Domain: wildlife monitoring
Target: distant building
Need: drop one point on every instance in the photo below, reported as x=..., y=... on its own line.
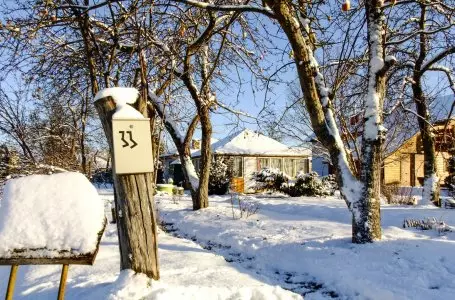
x=404, y=166
x=250, y=152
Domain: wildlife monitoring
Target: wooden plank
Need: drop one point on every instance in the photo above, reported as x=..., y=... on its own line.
x=11, y=282
x=47, y=261
x=61, y=288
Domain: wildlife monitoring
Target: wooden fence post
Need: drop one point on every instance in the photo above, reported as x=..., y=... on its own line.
x=11, y=282
x=62, y=286
x=134, y=205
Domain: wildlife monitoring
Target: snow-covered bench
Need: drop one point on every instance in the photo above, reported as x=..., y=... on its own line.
x=50, y=219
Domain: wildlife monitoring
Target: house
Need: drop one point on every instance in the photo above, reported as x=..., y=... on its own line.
x=402, y=161
x=251, y=151
x=404, y=165
x=170, y=167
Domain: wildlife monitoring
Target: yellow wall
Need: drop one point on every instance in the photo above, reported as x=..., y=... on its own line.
x=397, y=166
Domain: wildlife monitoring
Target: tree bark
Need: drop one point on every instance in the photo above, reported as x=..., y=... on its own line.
x=367, y=226
x=135, y=210
x=202, y=200
x=430, y=188
x=362, y=197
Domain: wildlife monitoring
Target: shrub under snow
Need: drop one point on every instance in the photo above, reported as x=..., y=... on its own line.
x=306, y=184
x=310, y=184
x=269, y=179
x=220, y=176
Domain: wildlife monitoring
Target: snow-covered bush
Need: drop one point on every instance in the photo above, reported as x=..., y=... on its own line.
x=269, y=179
x=329, y=184
x=400, y=196
x=404, y=200
x=389, y=190
x=427, y=224
x=310, y=184
x=220, y=176
x=242, y=207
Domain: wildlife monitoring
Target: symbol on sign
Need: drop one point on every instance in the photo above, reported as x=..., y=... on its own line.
x=126, y=144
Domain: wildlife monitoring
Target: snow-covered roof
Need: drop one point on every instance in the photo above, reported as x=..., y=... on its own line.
x=174, y=152
x=248, y=142
x=43, y=215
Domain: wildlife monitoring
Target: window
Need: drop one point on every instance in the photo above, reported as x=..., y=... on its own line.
x=292, y=166
x=303, y=165
x=276, y=163
x=263, y=163
x=238, y=167
x=289, y=167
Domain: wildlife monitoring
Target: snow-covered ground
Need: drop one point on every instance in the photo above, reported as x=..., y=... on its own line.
x=301, y=244
x=304, y=244
x=187, y=272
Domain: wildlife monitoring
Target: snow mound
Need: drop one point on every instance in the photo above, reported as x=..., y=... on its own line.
x=130, y=285
x=138, y=286
x=122, y=97
x=50, y=213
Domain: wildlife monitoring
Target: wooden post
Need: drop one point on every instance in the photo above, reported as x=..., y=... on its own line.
x=136, y=223
x=61, y=289
x=11, y=282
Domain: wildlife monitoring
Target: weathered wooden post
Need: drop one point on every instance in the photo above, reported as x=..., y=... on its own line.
x=136, y=216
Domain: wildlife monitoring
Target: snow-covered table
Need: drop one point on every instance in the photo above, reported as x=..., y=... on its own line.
x=50, y=219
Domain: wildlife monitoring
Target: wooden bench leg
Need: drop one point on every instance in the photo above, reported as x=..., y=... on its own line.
x=61, y=289
x=11, y=282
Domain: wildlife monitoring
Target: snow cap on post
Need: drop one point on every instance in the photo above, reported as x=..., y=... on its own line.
x=122, y=97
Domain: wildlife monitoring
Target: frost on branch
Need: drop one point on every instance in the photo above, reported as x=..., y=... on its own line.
x=351, y=186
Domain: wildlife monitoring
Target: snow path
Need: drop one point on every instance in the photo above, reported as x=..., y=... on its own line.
x=187, y=272
x=303, y=244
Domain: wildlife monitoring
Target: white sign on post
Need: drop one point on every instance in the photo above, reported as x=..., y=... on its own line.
x=132, y=146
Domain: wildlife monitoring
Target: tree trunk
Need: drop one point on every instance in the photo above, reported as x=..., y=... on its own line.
x=202, y=199
x=136, y=215
x=366, y=225
x=431, y=180
x=362, y=197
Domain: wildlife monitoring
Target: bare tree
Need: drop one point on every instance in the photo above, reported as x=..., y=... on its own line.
x=14, y=119
x=422, y=38
x=361, y=196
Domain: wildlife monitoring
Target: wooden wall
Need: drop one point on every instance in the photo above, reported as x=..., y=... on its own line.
x=405, y=166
